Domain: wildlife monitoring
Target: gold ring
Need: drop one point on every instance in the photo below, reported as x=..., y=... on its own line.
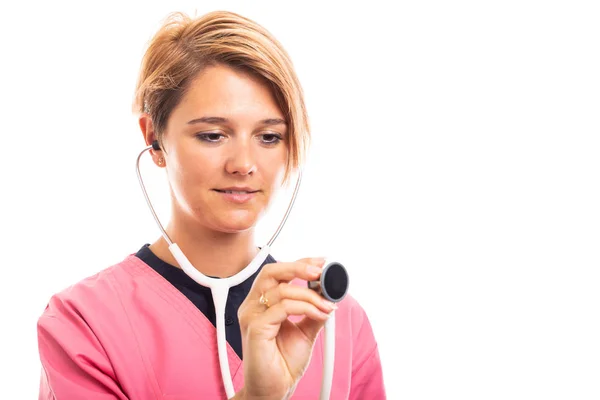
x=263, y=300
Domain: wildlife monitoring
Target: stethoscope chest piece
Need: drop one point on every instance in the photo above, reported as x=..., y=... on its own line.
x=333, y=283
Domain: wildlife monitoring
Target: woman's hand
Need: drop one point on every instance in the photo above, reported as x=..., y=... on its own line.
x=277, y=351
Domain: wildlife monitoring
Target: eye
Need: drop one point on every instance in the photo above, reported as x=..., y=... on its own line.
x=210, y=137
x=271, y=138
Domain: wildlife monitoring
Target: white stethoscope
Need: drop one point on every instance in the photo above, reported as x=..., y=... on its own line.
x=333, y=288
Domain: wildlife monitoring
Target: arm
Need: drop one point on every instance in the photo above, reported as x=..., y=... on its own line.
x=74, y=364
x=367, y=375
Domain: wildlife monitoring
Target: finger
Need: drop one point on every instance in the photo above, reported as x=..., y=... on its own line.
x=311, y=327
x=294, y=292
x=278, y=313
x=272, y=274
x=306, y=268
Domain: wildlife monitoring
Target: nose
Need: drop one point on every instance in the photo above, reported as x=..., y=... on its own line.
x=241, y=160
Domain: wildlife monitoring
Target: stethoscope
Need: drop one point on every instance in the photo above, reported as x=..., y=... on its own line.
x=333, y=285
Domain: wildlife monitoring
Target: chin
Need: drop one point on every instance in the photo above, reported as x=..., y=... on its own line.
x=236, y=222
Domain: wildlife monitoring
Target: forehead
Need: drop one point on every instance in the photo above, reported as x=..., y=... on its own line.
x=225, y=92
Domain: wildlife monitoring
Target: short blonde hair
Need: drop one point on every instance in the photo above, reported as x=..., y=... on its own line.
x=183, y=47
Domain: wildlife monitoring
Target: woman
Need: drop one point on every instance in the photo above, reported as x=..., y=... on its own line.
x=220, y=97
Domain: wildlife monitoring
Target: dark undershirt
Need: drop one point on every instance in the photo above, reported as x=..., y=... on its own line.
x=202, y=297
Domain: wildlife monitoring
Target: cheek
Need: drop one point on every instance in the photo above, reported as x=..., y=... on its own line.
x=192, y=172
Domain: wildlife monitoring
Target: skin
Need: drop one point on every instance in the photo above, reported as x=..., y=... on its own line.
x=242, y=144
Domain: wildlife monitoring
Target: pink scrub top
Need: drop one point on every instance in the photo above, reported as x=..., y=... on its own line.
x=128, y=333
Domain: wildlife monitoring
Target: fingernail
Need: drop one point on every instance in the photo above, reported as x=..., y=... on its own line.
x=312, y=270
x=330, y=305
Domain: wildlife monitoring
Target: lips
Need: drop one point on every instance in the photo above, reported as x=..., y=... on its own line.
x=237, y=191
x=238, y=196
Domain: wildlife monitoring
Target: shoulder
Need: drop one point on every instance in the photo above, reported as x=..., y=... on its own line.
x=81, y=330
x=93, y=294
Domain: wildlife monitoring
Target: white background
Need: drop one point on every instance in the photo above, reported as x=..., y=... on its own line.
x=455, y=170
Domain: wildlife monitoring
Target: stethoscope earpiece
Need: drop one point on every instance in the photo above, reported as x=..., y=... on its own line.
x=333, y=283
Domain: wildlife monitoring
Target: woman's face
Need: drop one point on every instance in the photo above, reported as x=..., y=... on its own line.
x=225, y=150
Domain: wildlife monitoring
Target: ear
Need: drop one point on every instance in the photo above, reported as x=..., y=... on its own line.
x=147, y=128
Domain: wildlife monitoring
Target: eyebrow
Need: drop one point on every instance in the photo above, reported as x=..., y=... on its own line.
x=221, y=120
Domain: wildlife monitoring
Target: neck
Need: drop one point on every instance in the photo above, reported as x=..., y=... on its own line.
x=213, y=253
